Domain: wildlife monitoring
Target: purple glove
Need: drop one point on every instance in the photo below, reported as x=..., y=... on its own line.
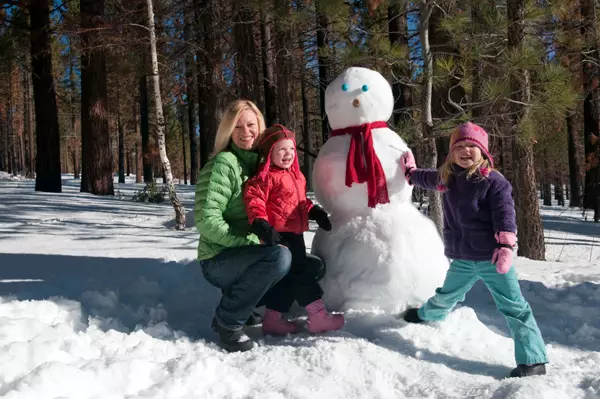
x=503, y=255
x=408, y=164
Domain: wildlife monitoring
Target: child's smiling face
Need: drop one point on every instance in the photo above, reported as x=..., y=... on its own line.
x=283, y=153
x=466, y=154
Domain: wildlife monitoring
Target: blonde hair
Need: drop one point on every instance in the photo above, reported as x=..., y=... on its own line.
x=481, y=168
x=230, y=117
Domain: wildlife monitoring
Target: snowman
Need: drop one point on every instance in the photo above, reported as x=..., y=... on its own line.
x=382, y=253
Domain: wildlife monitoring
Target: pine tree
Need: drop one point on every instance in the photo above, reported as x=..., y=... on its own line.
x=96, y=173
x=591, y=107
x=529, y=224
x=47, y=166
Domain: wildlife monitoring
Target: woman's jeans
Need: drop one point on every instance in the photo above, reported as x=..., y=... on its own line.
x=244, y=274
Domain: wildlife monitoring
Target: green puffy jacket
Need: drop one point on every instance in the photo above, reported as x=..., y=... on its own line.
x=219, y=212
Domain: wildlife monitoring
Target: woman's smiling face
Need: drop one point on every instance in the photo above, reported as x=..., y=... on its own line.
x=245, y=131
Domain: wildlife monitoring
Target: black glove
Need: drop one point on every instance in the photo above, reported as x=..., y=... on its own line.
x=266, y=232
x=317, y=214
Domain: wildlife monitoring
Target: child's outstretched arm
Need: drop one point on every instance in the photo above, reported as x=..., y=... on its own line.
x=504, y=222
x=425, y=178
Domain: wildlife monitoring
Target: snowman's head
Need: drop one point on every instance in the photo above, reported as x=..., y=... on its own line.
x=357, y=96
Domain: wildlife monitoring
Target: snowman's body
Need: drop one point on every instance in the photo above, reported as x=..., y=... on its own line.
x=386, y=257
x=329, y=174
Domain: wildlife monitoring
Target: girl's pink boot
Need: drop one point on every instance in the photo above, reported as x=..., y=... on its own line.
x=319, y=320
x=274, y=324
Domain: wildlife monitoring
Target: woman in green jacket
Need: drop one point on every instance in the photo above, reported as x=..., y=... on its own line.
x=229, y=253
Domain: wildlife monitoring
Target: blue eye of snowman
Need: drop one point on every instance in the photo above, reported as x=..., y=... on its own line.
x=344, y=87
x=365, y=88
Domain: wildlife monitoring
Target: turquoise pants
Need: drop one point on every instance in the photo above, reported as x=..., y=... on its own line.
x=529, y=344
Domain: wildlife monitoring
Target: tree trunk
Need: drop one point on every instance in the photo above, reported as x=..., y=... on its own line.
x=96, y=171
x=75, y=142
x=546, y=187
x=286, y=49
x=29, y=157
x=190, y=80
x=248, y=60
x=145, y=129
x=129, y=161
x=306, y=130
x=160, y=122
x=4, y=149
x=574, y=175
x=121, y=143
x=138, y=161
x=591, y=107
x=19, y=135
x=559, y=193
x=448, y=93
x=184, y=135
x=32, y=125
x=430, y=161
x=529, y=224
x=10, y=130
x=47, y=164
x=268, y=59
x=4, y=146
x=398, y=34
x=324, y=66
x=210, y=91
x=21, y=154
x=477, y=66
x=202, y=70
x=137, y=147
x=9, y=147
x=547, y=194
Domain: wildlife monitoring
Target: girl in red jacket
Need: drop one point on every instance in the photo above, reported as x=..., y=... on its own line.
x=279, y=211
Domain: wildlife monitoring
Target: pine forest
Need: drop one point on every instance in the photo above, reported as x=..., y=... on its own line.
x=137, y=87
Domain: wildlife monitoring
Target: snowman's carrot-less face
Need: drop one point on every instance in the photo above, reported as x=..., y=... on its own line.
x=358, y=96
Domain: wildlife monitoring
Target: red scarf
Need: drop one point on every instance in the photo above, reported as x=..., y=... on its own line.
x=363, y=164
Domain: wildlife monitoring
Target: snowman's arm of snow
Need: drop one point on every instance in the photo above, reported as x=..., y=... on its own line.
x=502, y=205
x=213, y=194
x=256, y=194
x=428, y=179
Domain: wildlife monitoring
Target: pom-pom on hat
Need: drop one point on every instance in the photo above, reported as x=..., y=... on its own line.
x=270, y=137
x=474, y=134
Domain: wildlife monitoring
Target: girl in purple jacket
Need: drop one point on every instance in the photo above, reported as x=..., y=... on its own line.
x=479, y=236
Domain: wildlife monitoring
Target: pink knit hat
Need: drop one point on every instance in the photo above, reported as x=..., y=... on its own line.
x=474, y=134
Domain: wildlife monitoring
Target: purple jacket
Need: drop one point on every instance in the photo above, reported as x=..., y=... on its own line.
x=474, y=210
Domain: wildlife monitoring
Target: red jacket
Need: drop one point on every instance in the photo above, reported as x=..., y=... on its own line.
x=279, y=198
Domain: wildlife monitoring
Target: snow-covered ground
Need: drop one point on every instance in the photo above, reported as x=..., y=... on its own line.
x=99, y=298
